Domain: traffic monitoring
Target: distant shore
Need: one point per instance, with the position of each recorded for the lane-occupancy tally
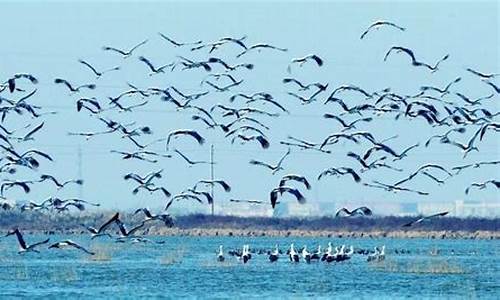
(236, 232)
(326, 233)
(207, 225)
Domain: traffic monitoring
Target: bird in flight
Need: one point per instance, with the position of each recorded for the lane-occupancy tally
(378, 24)
(422, 219)
(124, 53)
(414, 61)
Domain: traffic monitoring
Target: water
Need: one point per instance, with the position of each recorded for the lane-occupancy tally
(186, 267)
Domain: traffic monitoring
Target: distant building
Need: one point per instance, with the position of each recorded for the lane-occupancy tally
(294, 209)
(409, 209)
(461, 208)
(429, 208)
(244, 210)
(477, 209)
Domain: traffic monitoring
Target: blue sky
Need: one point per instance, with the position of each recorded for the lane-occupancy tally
(47, 39)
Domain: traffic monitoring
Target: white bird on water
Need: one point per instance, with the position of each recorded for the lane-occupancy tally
(294, 256)
(273, 256)
(220, 255)
(306, 255)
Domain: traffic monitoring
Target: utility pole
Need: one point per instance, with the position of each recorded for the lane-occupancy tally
(212, 175)
(80, 172)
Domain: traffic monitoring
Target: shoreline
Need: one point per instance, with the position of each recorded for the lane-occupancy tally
(238, 232)
(206, 225)
(444, 234)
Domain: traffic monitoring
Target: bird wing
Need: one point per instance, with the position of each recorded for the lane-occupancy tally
(224, 185)
(46, 156)
(39, 243)
(148, 63)
(20, 239)
(137, 46)
(318, 60)
(437, 215)
(104, 226)
(34, 131)
(297, 194)
(409, 224)
(184, 157)
(197, 136)
(65, 82)
(343, 210)
(283, 157)
(131, 231)
(169, 203)
(263, 141)
(363, 210)
(260, 163)
(353, 173)
(106, 48)
(75, 245)
(273, 196)
(89, 66)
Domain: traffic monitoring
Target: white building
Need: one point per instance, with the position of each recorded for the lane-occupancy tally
(477, 209)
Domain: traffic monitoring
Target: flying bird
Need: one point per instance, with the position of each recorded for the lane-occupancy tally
(422, 168)
(422, 219)
(189, 161)
(274, 168)
(69, 243)
(261, 46)
(393, 188)
(94, 70)
(101, 230)
(124, 53)
(187, 132)
(23, 247)
(346, 125)
(177, 44)
(482, 75)
(360, 211)
(295, 177)
(264, 143)
(458, 169)
(340, 171)
(303, 86)
(153, 69)
(482, 185)
(414, 61)
(495, 87)
(378, 24)
(165, 218)
(128, 233)
(72, 88)
(221, 183)
(59, 185)
(12, 81)
(302, 60)
(285, 189)
(141, 155)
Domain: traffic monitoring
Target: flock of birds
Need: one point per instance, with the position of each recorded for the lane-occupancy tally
(340, 254)
(440, 107)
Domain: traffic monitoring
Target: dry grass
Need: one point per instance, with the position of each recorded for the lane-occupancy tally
(228, 263)
(102, 253)
(420, 267)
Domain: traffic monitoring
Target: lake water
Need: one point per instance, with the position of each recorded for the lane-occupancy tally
(186, 267)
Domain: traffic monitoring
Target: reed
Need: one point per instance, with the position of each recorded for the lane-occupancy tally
(432, 266)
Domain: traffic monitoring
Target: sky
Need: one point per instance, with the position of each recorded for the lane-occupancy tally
(47, 39)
